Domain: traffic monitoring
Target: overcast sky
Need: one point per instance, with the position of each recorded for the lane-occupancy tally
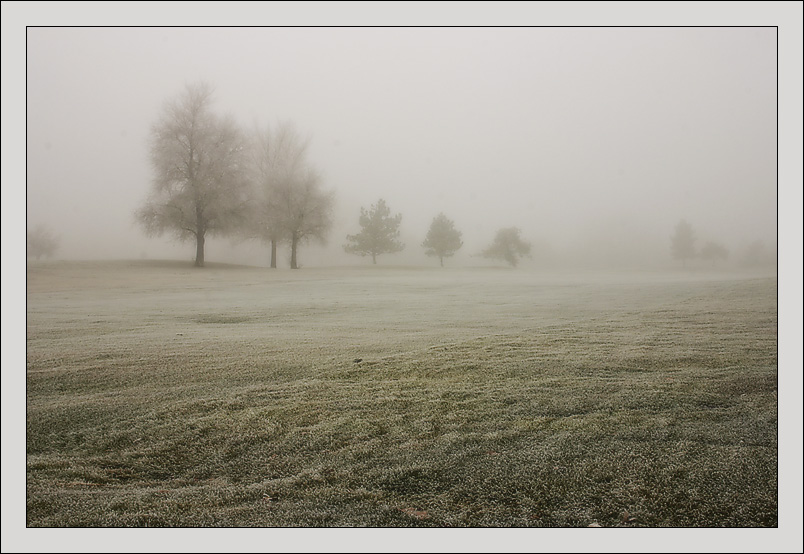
(577, 135)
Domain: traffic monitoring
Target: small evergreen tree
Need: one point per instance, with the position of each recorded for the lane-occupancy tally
(442, 240)
(379, 233)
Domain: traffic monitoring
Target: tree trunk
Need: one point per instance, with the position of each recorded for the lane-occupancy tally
(293, 242)
(442, 261)
(200, 231)
(199, 250)
(273, 253)
(374, 258)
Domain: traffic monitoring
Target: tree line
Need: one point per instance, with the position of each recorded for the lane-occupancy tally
(684, 247)
(211, 178)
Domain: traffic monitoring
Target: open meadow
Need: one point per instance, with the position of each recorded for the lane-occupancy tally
(159, 394)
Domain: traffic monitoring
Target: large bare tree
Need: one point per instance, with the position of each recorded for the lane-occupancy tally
(307, 210)
(292, 206)
(200, 182)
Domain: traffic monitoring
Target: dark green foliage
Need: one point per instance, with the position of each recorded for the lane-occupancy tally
(379, 233)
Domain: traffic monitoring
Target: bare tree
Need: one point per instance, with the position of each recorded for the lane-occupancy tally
(442, 240)
(278, 154)
(41, 242)
(291, 205)
(200, 185)
(379, 232)
(307, 210)
(507, 246)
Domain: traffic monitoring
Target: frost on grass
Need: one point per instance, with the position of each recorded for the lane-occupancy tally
(398, 398)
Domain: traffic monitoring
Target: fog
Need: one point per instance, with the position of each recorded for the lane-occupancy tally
(595, 142)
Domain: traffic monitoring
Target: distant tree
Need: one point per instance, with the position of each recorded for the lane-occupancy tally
(290, 205)
(507, 246)
(713, 251)
(41, 242)
(683, 242)
(756, 254)
(306, 210)
(379, 232)
(267, 167)
(442, 240)
(200, 183)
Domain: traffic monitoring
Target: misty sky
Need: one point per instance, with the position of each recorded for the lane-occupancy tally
(582, 137)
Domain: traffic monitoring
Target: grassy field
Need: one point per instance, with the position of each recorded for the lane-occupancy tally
(163, 395)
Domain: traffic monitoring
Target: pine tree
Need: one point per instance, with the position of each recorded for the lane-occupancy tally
(379, 232)
(442, 240)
